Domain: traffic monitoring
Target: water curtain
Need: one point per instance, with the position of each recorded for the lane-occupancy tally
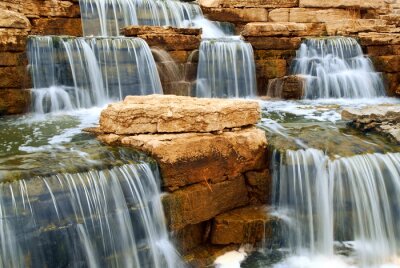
(105, 218)
(336, 67)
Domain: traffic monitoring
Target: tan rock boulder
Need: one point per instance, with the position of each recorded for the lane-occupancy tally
(274, 29)
(288, 87)
(190, 158)
(14, 101)
(351, 26)
(247, 225)
(11, 19)
(174, 114)
(236, 14)
(379, 39)
(384, 119)
(249, 3)
(363, 4)
(199, 203)
(313, 15)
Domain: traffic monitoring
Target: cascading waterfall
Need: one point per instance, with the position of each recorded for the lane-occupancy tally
(226, 69)
(337, 68)
(107, 17)
(106, 218)
(347, 199)
(78, 73)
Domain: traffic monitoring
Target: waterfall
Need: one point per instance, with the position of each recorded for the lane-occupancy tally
(336, 68)
(346, 199)
(70, 73)
(226, 69)
(106, 218)
(107, 17)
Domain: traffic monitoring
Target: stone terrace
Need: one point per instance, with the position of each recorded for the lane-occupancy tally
(275, 28)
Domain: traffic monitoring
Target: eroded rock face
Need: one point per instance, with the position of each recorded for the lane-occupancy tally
(247, 225)
(174, 114)
(190, 158)
(384, 119)
(288, 87)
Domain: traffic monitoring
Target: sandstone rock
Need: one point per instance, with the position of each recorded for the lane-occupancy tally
(383, 50)
(205, 256)
(192, 236)
(13, 59)
(14, 101)
(274, 54)
(288, 87)
(190, 158)
(379, 39)
(173, 114)
(179, 88)
(312, 15)
(247, 225)
(57, 26)
(50, 8)
(384, 119)
(15, 20)
(259, 185)
(363, 4)
(134, 31)
(14, 77)
(249, 3)
(372, 113)
(199, 203)
(236, 14)
(349, 26)
(13, 40)
(274, 29)
(271, 68)
(387, 64)
(279, 15)
(276, 43)
(167, 38)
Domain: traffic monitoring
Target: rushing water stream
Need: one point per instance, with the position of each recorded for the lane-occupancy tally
(66, 200)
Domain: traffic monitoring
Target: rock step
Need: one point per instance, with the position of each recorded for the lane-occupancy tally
(177, 114)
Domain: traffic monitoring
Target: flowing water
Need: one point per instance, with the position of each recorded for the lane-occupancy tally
(89, 206)
(107, 17)
(226, 69)
(336, 67)
(72, 73)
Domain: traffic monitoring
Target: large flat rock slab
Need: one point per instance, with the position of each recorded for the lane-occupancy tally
(177, 114)
(384, 119)
(189, 158)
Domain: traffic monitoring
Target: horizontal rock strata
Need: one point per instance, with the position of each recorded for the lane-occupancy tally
(212, 160)
(172, 114)
(384, 119)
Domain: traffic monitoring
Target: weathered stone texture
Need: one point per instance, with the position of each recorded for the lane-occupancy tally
(199, 203)
(247, 225)
(384, 119)
(172, 114)
(191, 158)
(288, 87)
(249, 3)
(14, 101)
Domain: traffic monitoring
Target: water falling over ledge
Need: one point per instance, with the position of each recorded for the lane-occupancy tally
(226, 69)
(98, 218)
(346, 199)
(73, 73)
(107, 17)
(336, 67)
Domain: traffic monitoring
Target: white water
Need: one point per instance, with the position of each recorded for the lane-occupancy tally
(106, 218)
(74, 73)
(347, 199)
(337, 68)
(107, 17)
(226, 69)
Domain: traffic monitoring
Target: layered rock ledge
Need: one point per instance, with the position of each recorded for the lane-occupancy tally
(384, 119)
(213, 160)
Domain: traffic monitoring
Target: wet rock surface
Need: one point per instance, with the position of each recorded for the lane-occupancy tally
(384, 119)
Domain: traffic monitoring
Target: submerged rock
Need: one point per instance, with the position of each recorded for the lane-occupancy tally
(384, 119)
